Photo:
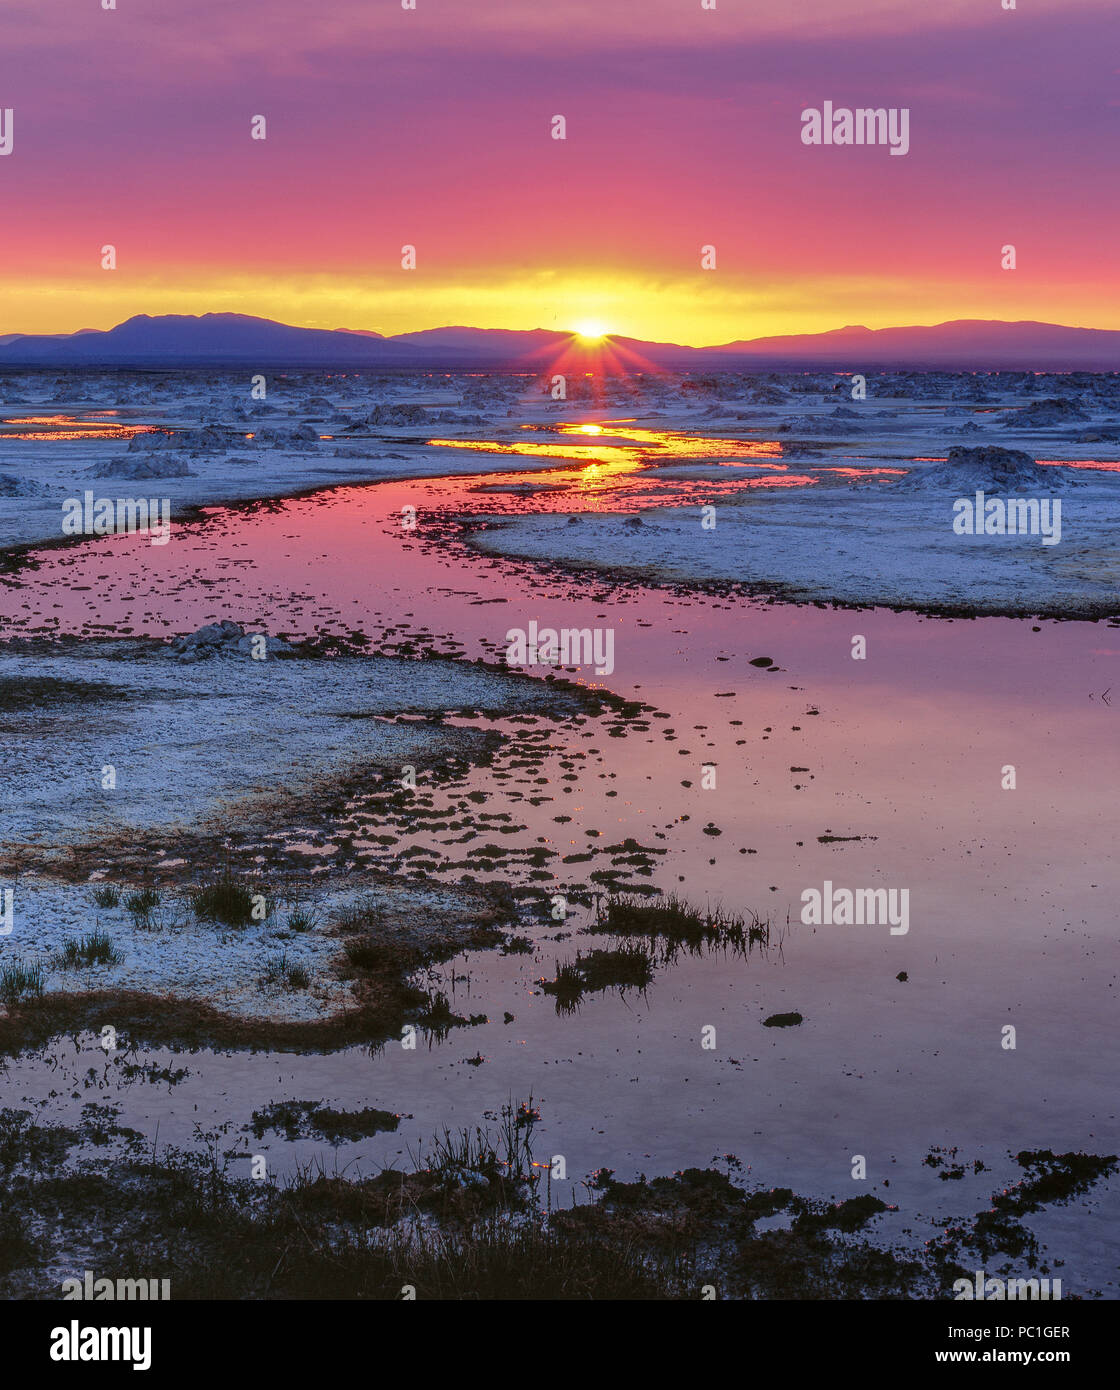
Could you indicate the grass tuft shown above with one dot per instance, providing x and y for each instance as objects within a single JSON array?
[
  {"x": 228, "y": 900},
  {"x": 95, "y": 949},
  {"x": 19, "y": 982}
]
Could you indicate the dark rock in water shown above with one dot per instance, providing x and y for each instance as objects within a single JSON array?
[
  {"x": 1103, "y": 434},
  {"x": 633, "y": 522},
  {"x": 574, "y": 520},
  {"x": 141, "y": 469},
  {"x": 782, "y": 1021},
  {"x": 762, "y": 661},
  {"x": 990, "y": 469}
]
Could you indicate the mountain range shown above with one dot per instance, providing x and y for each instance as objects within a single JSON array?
[{"x": 182, "y": 341}]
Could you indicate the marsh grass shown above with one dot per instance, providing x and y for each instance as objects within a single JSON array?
[
  {"x": 678, "y": 926},
  {"x": 228, "y": 900},
  {"x": 19, "y": 981},
  {"x": 282, "y": 971},
  {"x": 628, "y": 967},
  {"x": 141, "y": 904},
  {"x": 302, "y": 919},
  {"x": 95, "y": 949},
  {"x": 107, "y": 895}
]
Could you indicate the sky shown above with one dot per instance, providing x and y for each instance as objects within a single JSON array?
[{"x": 432, "y": 127}]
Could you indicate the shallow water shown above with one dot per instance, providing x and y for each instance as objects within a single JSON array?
[{"x": 1012, "y": 893}]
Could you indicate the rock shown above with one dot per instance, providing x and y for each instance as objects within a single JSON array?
[
  {"x": 11, "y": 486},
  {"x": 990, "y": 469},
  {"x": 398, "y": 415},
  {"x": 272, "y": 645},
  {"x": 211, "y": 636},
  {"x": 1055, "y": 410},
  {"x": 782, "y": 1021},
  {"x": 227, "y": 638},
  {"x": 140, "y": 469},
  {"x": 282, "y": 438},
  {"x": 151, "y": 439}
]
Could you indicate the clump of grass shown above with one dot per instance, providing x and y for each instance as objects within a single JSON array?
[
  {"x": 107, "y": 895},
  {"x": 307, "y": 1119},
  {"x": 18, "y": 982},
  {"x": 678, "y": 924},
  {"x": 302, "y": 919},
  {"x": 370, "y": 955},
  {"x": 568, "y": 987},
  {"x": 504, "y": 1159},
  {"x": 228, "y": 900},
  {"x": 439, "y": 1017},
  {"x": 141, "y": 904},
  {"x": 517, "y": 946},
  {"x": 357, "y": 917},
  {"x": 283, "y": 971},
  {"x": 629, "y": 967},
  {"x": 95, "y": 949}
]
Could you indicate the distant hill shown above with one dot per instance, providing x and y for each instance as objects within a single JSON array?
[
  {"x": 979, "y": 342},
  {"x": 183, "y": 340}
]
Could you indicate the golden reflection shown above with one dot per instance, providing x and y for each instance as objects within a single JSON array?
[
  {"x": 68, "y": 427},
  {"x": 638, "y": 448}
]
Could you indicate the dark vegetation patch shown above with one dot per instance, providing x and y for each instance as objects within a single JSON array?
[
  {"x": 629, "y": 967},
  {"x": 19, "y": 693},
  {"x": 677, "y": 925},
  {"x": 309, "y": 1119},
  {"x": 471, "y": 1219}
]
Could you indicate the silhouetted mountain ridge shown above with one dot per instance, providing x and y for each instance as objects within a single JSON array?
[{"x": 187, "y": 340}]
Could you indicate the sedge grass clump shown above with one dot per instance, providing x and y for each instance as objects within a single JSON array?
[
  {"x": 141, "y": 904},
  {"x": 95, "y": 949},
  {"x": 680, "y": 925},
  {"x": 628, "y": 967},
  {"x": 19, "y": 981},
  {"x": 107, "y": 895},
  {"x": 229, "y": 900},
  {"x": 286, "y": 973},
  {"x": 302, "y": 919}
]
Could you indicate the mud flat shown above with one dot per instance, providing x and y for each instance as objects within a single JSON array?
[
  {"x": 890, "y": 543},
  {"x": 152, "y": 879}
]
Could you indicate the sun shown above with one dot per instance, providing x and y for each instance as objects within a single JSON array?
[{"x": 591, "y": 328}]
